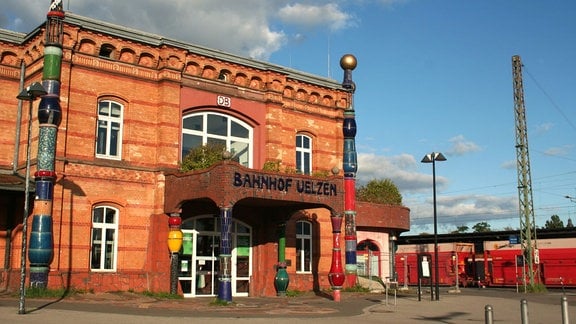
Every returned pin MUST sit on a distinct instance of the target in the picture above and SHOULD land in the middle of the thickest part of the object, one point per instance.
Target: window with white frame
(104, 238)
(303, 154)
(215, 128)
(303, 246)
(109, 131)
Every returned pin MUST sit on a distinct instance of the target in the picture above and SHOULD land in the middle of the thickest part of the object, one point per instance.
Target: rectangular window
(303, 154)
(303, 247)
(109, 130)
(103, 240)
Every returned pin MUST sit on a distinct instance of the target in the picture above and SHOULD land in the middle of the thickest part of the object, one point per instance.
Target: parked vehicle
(485, 262)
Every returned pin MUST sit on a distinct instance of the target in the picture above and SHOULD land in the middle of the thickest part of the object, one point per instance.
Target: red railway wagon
(451, 260)
(500, 264)
(555, 268)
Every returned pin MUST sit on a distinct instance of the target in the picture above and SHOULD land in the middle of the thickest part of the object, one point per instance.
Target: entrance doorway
(199, 257)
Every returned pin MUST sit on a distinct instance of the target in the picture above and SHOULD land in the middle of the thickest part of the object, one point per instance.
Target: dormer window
(106, 51)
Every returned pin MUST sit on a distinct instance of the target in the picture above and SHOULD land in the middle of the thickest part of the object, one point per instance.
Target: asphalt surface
(467, 306)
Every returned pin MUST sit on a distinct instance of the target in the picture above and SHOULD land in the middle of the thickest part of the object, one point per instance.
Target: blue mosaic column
(225, 271)
(41, 247)
(350, 166)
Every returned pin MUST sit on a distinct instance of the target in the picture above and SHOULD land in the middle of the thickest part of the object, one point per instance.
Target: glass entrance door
(207, 264)
(199, 257)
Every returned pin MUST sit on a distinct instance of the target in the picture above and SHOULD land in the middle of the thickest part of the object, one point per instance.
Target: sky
(432, 76)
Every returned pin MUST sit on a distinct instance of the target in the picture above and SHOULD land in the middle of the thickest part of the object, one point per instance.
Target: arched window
(104, 245)
(214, 128)
(109, 132)
(303, 246)
(303, 154)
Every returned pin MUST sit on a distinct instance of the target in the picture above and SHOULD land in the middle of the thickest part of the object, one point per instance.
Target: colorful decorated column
(336, 275)
(281, 280)
(174, 245)
(41, 247)
(350, 166)
(225, 271)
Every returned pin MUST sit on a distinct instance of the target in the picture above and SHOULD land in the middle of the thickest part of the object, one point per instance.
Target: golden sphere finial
(348, 62)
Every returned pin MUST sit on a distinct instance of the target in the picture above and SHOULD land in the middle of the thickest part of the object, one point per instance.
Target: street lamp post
(432, 158)
(30, 93)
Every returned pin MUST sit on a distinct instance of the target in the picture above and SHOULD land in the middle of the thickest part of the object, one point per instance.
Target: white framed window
(109, 130)
(303, 154)
(303, 246)
(215, 128)
(104, 245)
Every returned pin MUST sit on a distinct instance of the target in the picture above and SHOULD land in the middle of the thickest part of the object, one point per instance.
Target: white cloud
(249, 28)
(559, 150)
(461, 146)
(401, 169)
(544, 128)
(509, 165)
(458, 210)
(307, 15)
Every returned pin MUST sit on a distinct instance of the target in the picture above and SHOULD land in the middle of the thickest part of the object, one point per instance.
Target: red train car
(451, 262)
(490, 262)
(555, 262)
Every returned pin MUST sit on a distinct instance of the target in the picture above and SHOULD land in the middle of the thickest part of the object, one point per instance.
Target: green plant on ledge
(202, 157)
(271, 165)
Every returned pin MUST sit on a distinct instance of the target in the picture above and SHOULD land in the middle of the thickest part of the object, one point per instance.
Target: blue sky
(431, 76)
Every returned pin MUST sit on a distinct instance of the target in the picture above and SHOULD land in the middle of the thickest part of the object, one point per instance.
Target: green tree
(481, 227)
(380, 192)
(554, 223)
(202, 157)
(569, 223)
(461, 229)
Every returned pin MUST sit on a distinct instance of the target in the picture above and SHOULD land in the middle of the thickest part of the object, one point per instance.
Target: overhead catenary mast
(528, 239)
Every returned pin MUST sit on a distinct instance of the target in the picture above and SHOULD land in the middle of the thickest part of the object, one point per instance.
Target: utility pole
(528, 239)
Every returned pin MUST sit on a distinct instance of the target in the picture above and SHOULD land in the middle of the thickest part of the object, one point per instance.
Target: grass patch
(36, 292)
(161, 295)
(536, 288)
(220, 302)
(294, 293)
(356, 288)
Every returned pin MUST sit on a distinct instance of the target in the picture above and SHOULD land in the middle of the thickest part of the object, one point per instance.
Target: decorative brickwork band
(41, 249)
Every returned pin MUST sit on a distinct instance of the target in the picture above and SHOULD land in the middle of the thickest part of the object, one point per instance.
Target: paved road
(466, 307)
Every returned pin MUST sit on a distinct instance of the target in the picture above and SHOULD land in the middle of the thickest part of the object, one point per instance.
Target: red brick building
(133, 104)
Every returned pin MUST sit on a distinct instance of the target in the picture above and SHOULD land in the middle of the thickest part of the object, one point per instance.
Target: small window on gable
(224, 76)
(106, 51)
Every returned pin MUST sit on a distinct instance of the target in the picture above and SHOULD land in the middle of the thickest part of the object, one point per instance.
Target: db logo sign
(223, 101)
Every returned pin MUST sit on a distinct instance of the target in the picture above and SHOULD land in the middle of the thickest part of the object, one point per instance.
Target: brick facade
(158, 81)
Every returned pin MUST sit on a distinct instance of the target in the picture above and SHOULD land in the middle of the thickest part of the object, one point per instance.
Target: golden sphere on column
(348, 62)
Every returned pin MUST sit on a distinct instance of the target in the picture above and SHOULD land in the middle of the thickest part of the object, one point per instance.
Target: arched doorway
(199, 257)
(368, 259)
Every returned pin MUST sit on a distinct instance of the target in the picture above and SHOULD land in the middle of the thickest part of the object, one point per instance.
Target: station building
(133, 105)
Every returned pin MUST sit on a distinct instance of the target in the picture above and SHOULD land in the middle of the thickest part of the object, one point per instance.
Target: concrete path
(468, 306)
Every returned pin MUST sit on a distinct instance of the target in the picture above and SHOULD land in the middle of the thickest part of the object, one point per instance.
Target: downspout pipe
(18, 119)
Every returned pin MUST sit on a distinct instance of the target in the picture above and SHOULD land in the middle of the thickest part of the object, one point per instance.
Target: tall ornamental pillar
(281, 280)
(336, 275)
(174, 245)
(225, 272)
(41, 247)
(348, 63)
